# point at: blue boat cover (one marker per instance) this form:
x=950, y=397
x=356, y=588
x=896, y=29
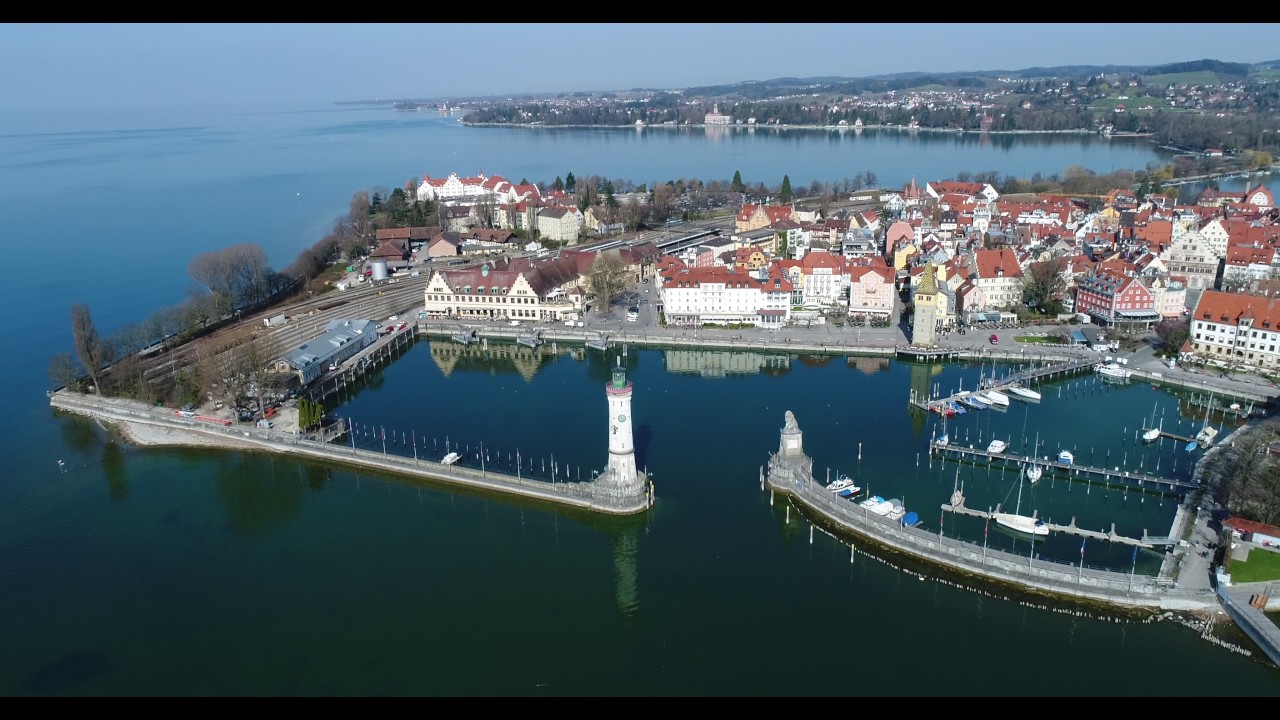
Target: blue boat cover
x=910, y=519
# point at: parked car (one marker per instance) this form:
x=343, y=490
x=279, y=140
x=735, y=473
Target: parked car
x=995, y=340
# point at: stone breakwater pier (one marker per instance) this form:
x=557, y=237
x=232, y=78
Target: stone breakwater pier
x=146, y=425
x=790, y=472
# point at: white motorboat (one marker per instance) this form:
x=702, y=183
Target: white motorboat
x=877, y=505
x=1066, y=458
x=998, y=398
x=1024, y=393
x=997, y=446
x=943, y=440
x=1206, y=435
x=450, y=459
x=1034, y=472
x=896, y=509
x=841, y=482
x=1113, y=370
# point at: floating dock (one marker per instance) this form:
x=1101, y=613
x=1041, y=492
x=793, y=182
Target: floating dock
x=1115, y=476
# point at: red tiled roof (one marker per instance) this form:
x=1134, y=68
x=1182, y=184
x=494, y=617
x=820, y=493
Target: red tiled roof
x=991, y=261
x=1251, y=526
x=1223, y=307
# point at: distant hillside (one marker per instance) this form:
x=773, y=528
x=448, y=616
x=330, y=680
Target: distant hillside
x=1237, y=71
x=1203, y=70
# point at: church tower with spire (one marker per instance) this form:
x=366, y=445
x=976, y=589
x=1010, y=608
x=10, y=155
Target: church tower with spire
x=923, y=333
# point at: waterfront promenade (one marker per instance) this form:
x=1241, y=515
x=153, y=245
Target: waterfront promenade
x=864, y=341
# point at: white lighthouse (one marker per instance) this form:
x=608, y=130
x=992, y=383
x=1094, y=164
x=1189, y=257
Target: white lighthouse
x=620, y=476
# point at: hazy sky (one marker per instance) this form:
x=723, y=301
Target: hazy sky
x=77, y=65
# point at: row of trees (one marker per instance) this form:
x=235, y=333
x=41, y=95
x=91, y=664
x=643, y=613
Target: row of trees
x=1248, y=476
x=226, y=283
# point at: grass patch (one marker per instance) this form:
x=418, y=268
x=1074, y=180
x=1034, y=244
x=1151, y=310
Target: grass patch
x=1262, y=566
x=1197, y=77
x=1036, y=340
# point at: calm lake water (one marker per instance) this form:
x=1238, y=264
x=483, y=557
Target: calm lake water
x=172, y=572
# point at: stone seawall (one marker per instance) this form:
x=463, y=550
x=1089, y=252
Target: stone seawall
x=1024, y=571
x=144, y=425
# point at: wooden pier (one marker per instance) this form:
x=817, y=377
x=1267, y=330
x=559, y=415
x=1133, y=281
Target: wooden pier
x=1002, y=384
x=1113, y=476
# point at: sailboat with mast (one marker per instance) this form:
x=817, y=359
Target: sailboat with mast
x=1152, y=433
x=1021, y=523
x=1034, y=470
x=1205, y=437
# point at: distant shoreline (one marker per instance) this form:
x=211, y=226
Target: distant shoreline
x=838, y=128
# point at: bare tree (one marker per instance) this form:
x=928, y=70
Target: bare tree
x=250, y=273
x=88, y=346
x=664, y=201
x=607, y=277
x=1043, y=282
x=358, y=218
x=238, y=370
x=65, y=371
x=215, y=272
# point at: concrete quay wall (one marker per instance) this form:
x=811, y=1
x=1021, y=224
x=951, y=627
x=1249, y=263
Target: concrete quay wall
x=145, y=425
x=1036, y=575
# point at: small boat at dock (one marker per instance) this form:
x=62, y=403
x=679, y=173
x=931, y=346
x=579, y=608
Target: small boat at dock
x=1151, y=435
x=998, y=398
x=1023, y=393
x=840, y=483
x=1066, y=458
x=450, y=459
x=997, y=446
x=1033, y=473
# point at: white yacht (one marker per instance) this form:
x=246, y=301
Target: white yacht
x=997, y=446
x=998, y=398
x=1022, y=523
x=450, y=459
x=1024, y=393
x=1033, y=473
x=1114, y=370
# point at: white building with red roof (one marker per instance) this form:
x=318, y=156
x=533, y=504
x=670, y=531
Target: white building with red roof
x=1235, y=329
x=471, y=189
x=692, y=297
x=999, y=275
x=939, y=188
x=548, y=292
x=824, y=279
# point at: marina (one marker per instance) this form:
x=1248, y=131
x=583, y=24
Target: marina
x=1066, y=464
